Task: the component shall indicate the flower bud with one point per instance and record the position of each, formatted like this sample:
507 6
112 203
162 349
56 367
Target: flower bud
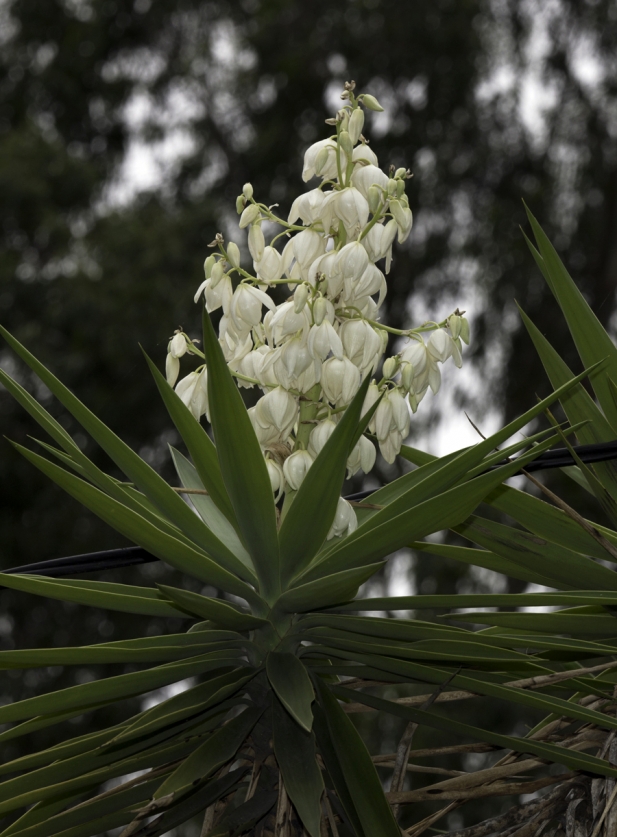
320 309
374 198
454 324
371 102
256 242
177 346
209 264
233 254
390 367
400 188
216 274
295 468
356 124
247 191
407 376
343 118
368 454
321 160
392 184
464 335
240 204
401 172
300 297
346 143
250 214
172 369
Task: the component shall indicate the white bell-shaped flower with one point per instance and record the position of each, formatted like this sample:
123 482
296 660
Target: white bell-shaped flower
362 457
366 176
403 217
296 466
256 242
310 377
400 412
307 245
235 345
440 345
340 380
306 207
270 266
364 155
220 295
371 398
245 307
368 454
345 520
193 391
390 447
383 418
285 321
322 164
378 240
277 478
277 408
323 339
352 209
319 436
266 434
372 281
172 369
295 356
416 354
352 261
361 343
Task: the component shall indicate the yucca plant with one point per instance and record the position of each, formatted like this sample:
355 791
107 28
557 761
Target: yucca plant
263 742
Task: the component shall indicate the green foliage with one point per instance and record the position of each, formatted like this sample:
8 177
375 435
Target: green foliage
261 733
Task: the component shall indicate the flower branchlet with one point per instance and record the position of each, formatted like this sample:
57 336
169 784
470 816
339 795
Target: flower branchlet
310 353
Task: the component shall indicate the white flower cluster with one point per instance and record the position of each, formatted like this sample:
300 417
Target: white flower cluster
309 353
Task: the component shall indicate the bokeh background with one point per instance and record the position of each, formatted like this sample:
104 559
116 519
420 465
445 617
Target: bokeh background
128 128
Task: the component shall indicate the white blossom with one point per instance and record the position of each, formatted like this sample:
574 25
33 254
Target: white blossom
323 339
270 265
245 306
345 520
366 176
361 343
278 408
319 436
296 468
306 207
340 380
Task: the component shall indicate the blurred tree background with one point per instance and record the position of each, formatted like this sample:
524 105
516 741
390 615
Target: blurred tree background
128 128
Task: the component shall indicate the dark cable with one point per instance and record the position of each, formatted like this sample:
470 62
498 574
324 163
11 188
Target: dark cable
112 559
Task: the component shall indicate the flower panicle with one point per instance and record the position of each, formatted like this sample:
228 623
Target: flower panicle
310 353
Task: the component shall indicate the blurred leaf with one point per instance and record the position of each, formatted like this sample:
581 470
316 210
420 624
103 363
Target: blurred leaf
358 770
592 341
295 753
551 752
220 747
